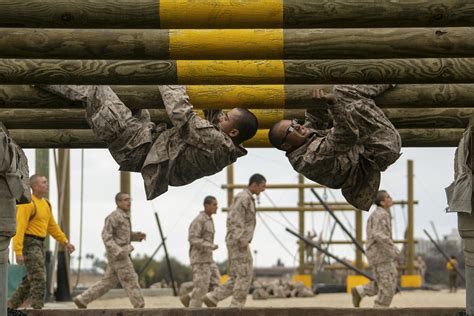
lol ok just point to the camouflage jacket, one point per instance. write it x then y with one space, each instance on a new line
337 157
14 188
241 219
379 246
459 193
201 239
192 149
117 235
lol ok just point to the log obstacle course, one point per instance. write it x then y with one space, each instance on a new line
265 55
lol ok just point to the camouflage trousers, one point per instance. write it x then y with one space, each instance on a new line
386 276
33 284
240 279
117 271
206 277
128 135
453 281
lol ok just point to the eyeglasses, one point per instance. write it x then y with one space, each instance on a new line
291 128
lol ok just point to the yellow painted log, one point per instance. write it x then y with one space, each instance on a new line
191 72
226 44
223 13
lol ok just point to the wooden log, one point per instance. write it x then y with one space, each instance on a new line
245 44
75 118
83 138
190 72
247 96
234 14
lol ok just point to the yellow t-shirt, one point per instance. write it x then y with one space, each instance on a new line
451 264
40 225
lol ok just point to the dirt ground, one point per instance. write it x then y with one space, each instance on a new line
405 299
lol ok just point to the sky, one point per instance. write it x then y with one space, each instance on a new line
433 169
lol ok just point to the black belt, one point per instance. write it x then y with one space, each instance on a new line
35 237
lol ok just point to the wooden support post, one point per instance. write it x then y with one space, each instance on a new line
42 168
230 184
358 235
125 183
301 220
63 273
410 230
230 197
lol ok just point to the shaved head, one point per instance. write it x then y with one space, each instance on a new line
276 134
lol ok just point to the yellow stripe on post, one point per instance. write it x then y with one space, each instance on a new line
260 140
230 96
188 14
226 44
230 71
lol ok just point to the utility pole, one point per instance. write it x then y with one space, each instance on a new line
63 292
42 168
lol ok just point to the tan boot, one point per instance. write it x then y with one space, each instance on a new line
356 298
185 299
79 303
209 300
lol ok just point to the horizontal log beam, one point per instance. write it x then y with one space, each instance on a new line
234 14
189 72
246 44
75 118
250 96
77 138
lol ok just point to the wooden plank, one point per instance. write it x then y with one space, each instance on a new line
246 44
250 96
142 72
380 13
234 14
83 138
75 118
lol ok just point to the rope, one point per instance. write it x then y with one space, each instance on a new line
183 211
273 234
280 212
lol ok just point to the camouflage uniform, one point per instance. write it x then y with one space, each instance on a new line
191 149
33 284
277 290
300 290
260 292
201 241
186 288
459 196
241 222
13 189
382 255
117 235
349 156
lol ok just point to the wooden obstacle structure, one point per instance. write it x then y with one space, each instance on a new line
265 55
